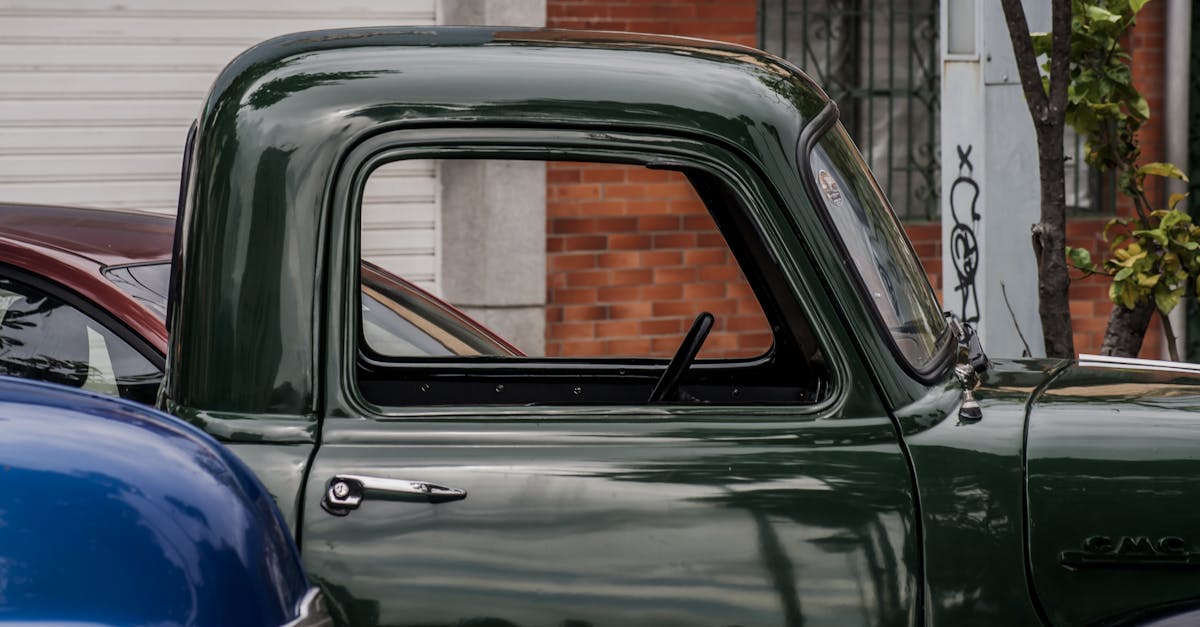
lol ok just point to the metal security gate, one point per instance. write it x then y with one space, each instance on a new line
879 60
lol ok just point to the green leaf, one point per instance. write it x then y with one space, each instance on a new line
1123 274
1100 14
1171 218
1141 107
1157 235
1127 260
1159 168
1041 43
1081 258
1111 223
1136 5
1166 299
1144 280
1128 296
1175 199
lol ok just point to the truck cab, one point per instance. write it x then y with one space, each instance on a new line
863 464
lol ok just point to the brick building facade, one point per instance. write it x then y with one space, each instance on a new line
663 211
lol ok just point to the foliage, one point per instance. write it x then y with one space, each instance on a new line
1158 264
1102 103
1154 257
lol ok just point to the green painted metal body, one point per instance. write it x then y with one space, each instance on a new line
1113 458
875 506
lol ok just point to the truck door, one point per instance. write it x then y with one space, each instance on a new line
697 443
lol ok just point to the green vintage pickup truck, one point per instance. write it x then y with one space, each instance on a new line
870 466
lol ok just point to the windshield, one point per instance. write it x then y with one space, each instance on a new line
878 249
399 319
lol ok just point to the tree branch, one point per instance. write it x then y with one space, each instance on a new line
1027 67
1060 57
1141 204
1172 341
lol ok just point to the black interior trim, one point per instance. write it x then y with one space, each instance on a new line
791 372
667 386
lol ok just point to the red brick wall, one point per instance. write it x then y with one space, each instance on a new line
629 278
726 20
633 258
927 242
735 21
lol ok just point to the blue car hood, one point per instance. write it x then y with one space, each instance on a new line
113 513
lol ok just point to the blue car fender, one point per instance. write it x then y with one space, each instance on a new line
113 513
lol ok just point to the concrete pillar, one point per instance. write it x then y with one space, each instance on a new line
493 223
494 246
990 189
492 12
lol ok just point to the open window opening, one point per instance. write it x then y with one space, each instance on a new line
570 282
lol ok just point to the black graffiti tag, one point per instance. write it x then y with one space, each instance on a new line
964 247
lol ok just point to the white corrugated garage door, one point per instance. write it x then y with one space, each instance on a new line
96 97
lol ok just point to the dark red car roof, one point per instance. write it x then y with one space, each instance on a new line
104 236
71 246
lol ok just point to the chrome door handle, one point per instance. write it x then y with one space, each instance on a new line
344 493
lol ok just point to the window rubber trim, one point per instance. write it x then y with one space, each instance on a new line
813 132
775 311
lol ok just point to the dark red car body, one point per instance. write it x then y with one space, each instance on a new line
72 247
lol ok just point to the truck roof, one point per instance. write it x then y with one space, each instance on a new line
282 118
691 85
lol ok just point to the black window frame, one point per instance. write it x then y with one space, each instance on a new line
793 372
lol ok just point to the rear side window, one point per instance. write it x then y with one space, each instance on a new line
45 339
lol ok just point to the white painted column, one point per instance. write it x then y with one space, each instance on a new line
493 263
1178 92
990 190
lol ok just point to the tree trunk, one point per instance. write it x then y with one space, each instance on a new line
1126 328
1049 113
1054 305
